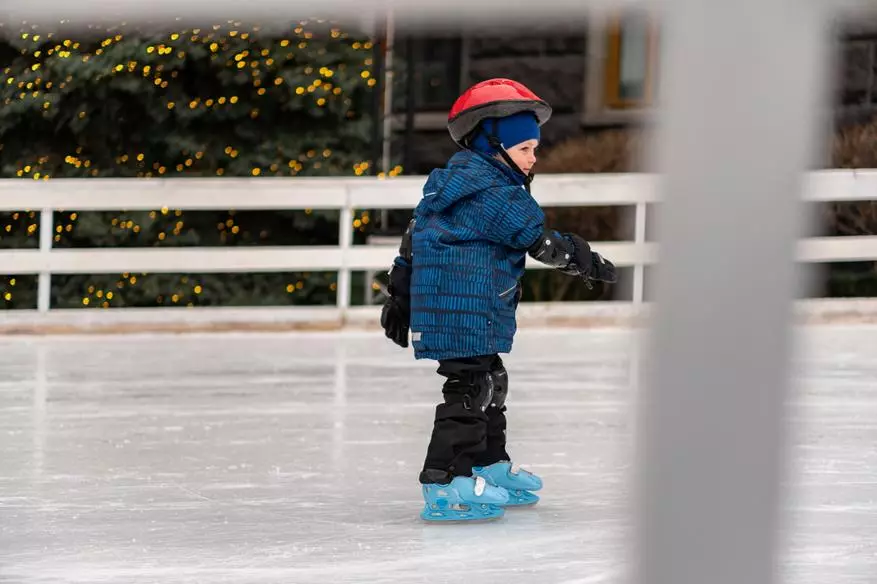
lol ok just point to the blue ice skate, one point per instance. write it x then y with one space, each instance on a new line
463 499
516 481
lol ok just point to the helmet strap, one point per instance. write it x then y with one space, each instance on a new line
495 143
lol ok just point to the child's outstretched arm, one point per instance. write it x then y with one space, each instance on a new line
516 220
572 255
513 217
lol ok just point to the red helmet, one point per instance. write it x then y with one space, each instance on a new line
494 98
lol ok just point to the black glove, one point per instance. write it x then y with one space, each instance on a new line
396 313
589 264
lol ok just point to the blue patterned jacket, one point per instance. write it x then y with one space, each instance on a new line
472 230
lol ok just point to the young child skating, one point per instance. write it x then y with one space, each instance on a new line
456 285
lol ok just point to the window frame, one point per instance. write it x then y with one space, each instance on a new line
612 100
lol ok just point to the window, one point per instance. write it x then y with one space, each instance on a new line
435 64
630 62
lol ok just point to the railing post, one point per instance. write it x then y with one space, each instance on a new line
345 242
640 240
44 284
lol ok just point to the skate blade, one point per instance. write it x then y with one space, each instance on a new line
521 499
456 521
431 515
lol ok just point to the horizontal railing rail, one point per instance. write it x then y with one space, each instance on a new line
347 195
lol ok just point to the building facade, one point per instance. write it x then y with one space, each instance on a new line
596 75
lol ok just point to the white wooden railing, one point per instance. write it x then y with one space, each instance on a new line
346 195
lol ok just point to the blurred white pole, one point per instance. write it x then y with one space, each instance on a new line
389 77
742 86
387 110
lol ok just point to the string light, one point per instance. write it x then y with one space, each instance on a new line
237 46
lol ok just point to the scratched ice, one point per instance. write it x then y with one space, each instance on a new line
292 458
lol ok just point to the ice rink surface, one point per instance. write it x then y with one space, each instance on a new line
293 458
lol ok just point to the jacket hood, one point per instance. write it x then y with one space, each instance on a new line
466 174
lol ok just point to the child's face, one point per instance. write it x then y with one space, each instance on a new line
524 155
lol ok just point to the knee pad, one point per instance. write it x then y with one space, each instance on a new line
475 392
500 379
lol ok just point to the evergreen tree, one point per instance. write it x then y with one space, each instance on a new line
223 101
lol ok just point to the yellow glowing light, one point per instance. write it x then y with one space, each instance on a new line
86 301
197 289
